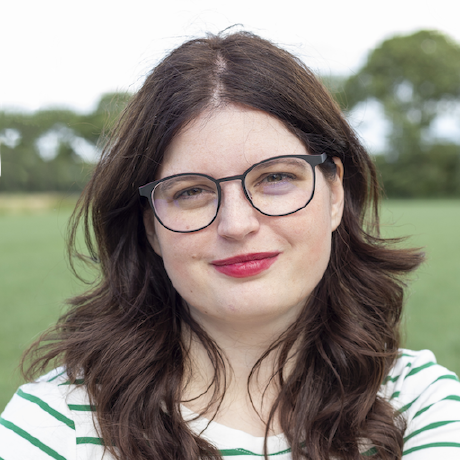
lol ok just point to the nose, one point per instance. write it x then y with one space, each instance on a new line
236 218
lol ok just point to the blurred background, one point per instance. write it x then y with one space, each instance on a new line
67 70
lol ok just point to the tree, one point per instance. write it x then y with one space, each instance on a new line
42 151
95 126
416 78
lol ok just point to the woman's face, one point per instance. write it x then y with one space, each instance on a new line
279 260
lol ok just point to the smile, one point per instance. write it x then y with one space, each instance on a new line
246 265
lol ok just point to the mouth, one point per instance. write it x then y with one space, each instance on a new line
245 265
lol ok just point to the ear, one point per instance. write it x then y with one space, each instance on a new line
149 224
337 194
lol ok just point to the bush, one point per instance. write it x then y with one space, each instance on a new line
434 173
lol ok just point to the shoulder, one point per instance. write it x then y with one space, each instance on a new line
428 396
49 418
416 374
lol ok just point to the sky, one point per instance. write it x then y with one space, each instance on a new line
60 53
56 53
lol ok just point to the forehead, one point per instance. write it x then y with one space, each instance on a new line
227 141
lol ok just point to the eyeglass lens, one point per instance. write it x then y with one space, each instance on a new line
276 187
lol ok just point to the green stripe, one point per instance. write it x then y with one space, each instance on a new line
442 377
451 398
82 407
88 440
416 370
370 452
390 379
20 432
77 382
238 452
421 411
404 408
47 408
448 377
447 398
54 378
395 378
431 426
433 444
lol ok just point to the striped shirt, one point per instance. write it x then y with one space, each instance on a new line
52 419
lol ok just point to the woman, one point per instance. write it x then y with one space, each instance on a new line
246 305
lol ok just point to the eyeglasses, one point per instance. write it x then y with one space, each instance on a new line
278 186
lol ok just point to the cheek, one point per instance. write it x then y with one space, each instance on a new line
179 255
317 250
312 233
177 272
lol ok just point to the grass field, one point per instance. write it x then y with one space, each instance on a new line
433 304
35 279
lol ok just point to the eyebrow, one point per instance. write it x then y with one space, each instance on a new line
169 183
289 160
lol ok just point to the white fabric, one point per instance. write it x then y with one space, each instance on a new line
52 419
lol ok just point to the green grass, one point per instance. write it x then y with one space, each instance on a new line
433 303
35 279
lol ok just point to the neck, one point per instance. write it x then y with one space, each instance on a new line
242 344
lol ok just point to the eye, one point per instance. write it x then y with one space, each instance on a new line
190 193
273 183
278 177
275 178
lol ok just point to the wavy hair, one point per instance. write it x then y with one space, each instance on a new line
126 333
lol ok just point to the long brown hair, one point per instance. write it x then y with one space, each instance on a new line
125 334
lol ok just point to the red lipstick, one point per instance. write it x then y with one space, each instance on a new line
246 265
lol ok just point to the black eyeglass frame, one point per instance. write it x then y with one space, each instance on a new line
313 160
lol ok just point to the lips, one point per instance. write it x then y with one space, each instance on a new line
246 265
